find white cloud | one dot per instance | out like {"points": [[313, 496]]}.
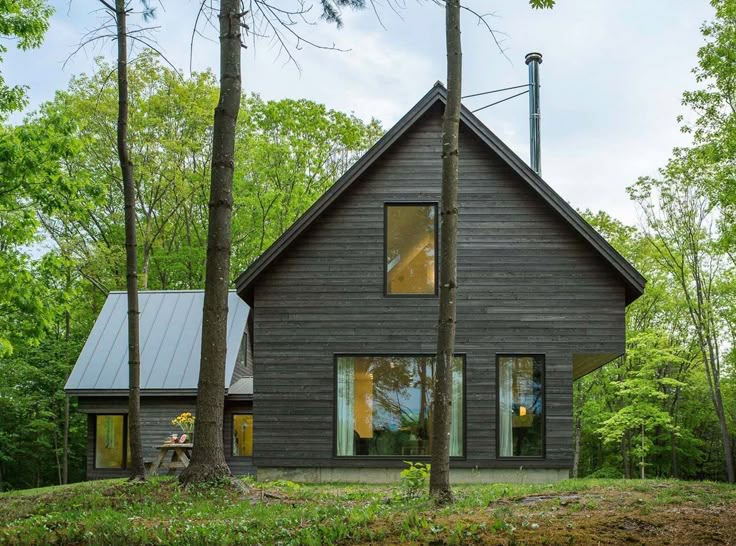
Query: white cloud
{"points": [[612, 76]]}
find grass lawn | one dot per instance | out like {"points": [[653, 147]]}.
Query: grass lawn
{"points": [[571, 512]]}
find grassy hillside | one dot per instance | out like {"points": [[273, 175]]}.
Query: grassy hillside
{"points": [[572, 512]]}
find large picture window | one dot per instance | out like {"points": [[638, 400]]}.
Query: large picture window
{"points": [[384, 405], [520, 406], [411, 243], [111, 441]]}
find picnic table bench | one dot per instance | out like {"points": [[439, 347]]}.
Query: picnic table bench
{"points": [[180, 454]]}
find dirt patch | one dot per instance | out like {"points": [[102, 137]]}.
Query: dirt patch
{"points": [[601, 517], [562, 499]]}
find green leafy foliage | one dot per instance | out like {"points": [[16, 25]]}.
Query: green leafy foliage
{"points": [[288, 153], [61, 220], [25, 22], [414, 479]]}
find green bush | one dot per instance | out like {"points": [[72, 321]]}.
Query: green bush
{"points": [[414, 479], [606, 473]]}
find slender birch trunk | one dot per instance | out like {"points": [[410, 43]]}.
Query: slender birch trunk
{"points": [[137, 471], [439, 481], [208, 455]]}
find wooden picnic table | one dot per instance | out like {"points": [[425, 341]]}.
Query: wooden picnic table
{"points": [[180, 454]]}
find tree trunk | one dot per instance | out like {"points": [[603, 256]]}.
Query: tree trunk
{"points": [[208, 455], [67, 336], [137, 472], [65, 471], [702, 318], [642, 463], [673, 443], [576, 456], [439, 481], [725, 435], [146, 265], [56, 455]]}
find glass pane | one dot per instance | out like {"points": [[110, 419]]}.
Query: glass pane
{"points": [[410, 249], [384, 406], [520, 404], [243, 435], [109, 441]]}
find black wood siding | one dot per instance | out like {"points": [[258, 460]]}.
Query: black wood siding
{"points": [[156, 415], [528, 283]]}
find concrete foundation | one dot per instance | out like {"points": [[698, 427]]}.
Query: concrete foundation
{"points": [[391, 475]]}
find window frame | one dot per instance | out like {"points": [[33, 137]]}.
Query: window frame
{"points": [[434, 204], [543, 456], [232, 430], [125, 443], [421, 458]]}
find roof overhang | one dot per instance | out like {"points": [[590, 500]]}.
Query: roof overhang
{"points": [[110, 393]]}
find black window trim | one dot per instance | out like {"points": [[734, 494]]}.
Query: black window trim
{"points": [[125, 443], [543, 456], [232, 429], [421, 458], [434, 204]]}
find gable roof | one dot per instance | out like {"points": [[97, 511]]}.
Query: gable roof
{"points": [[171, 336], [633, 280]]}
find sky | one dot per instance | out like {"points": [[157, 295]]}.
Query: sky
{"points": [[611, 80]]}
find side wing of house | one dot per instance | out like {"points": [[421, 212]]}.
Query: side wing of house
{"points": [[533, 294], [171, 324]]}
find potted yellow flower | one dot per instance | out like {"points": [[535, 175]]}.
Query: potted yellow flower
{"points": [[185, 421]]}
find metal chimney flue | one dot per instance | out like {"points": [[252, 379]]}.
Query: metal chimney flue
{"points": [[533, 60]]}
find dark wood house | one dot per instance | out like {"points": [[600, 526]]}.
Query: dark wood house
{"points": [[345, 311], [171, 329], [343, 315]]}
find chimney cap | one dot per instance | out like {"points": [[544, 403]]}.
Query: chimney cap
{"points": [[533, 56]]}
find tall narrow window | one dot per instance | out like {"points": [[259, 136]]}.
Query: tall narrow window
{"points": [[411, 242], [243, 435], [384, 405], [110, 441], [520, 406]]}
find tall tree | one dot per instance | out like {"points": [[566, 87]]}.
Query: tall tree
{"points": [[137, 471], [119, 12], [24, 22], [714, 105], [439, 482], [683, 222], [208, 455]]}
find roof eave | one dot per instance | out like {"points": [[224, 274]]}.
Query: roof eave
{"points": [[635, 282], [124, 392]]}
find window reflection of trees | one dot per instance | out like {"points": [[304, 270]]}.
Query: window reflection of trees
{"points": [[402, 389]]}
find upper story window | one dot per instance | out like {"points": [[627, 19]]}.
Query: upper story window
{"points": [[411, 243], [520, 406]]}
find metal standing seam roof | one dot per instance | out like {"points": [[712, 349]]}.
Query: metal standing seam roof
{"points": [[170, 341]]}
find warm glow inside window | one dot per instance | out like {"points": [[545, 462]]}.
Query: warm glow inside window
{"points": [[243, 435], [520, 406], [411, 241], [111, 442], [384, 405]]}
